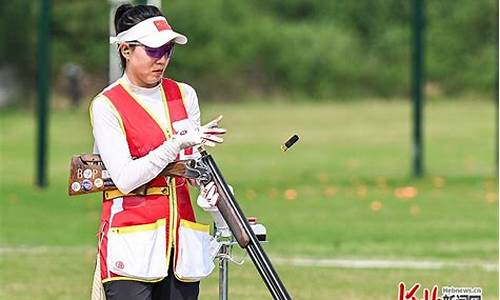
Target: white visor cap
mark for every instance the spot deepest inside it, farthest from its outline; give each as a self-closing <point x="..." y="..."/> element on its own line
<point x="153" y="32"/>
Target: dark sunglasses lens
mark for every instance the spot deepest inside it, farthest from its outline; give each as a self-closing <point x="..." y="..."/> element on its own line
<point x="161" y="51"/>
<point x="155" y="52"/>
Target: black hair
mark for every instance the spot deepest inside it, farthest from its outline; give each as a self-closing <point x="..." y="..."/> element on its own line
<point x="128" y="15"/>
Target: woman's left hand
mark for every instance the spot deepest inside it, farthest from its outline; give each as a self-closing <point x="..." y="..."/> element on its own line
<point x="210" y="132"/>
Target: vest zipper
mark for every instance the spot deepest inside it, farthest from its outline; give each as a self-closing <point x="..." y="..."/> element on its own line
<point x="173" y="219"/>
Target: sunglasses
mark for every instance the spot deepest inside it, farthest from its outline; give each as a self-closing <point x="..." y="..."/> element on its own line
<point x="167" y="49"/>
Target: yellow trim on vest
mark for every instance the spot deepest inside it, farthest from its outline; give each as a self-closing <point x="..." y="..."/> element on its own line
<point x="170" y="130"/>
<point x="101" y="94"/>
<point x="130" y="278"/>
<point x="173" y="194"/>
<point x="171" y="243"/>
<point x="156" y="190"/>
<point x="113" y="109"/>
<point x="182" y="96"/>
<point x="138" y="228"/>
<point x="148" y="111"/>
<point x="115" y="112"/>
<point x="195" y="226"/>
<point x="174" y="229"/>
<point x="173" y="189"/>
<point x="90" y="111"/>
<point x="171" y="186"/>
<point x="174" y="200"/>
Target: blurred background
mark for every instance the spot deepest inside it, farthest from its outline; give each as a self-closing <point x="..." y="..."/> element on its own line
<point x="337" y="73"/>
<point x="314" y="49"/>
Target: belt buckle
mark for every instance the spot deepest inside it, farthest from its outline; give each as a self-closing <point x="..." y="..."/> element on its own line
<point x="164" y="190"/>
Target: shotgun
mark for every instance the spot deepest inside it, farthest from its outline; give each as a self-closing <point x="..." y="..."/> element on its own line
<point x="240" y="228"/>
<point x="87" y="168"/>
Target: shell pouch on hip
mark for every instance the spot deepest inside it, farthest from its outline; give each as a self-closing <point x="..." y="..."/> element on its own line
<point x="138" y="251"/>
<point x="197" y="250"/>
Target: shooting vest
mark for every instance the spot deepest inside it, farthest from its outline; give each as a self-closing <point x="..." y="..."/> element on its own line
<point x="137" y="233"/>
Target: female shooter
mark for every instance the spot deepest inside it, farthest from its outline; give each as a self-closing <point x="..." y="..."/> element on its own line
<point x="141" y="123"/>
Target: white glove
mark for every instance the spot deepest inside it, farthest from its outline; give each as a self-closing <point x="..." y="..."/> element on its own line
<point x="188" y="135"/>
<point x="209" y="193"/>
<point x="208" y="205"/>
<point x="211" y="131"/>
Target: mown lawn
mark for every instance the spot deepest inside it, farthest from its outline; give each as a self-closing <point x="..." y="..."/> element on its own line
<point x="344" y="191"/>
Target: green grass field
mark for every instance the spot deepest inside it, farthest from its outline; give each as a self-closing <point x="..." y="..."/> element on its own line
<point x="344" y="191"/>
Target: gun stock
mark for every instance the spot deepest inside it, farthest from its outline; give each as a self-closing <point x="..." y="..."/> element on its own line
<point x="88" y="174"/>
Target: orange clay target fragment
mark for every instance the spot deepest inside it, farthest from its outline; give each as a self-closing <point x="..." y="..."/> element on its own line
<point x="289" y="143"/>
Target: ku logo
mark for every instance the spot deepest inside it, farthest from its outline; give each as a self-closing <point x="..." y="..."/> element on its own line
<point x="410" y="294"/>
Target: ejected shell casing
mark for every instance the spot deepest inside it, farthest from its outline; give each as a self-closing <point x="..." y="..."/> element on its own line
<point x="289" y="143"/>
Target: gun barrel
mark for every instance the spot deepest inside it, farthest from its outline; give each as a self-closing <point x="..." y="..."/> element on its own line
<point x="243" y="233"/>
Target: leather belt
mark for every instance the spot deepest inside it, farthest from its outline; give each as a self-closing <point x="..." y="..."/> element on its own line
<point x="156" y="190"/>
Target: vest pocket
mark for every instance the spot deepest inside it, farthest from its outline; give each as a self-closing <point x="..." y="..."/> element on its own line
<point x="196" y="251"/>
<point x="138" y="251"/>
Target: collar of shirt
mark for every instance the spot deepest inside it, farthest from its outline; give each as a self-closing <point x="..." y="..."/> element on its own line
<point x="140" y="90"/>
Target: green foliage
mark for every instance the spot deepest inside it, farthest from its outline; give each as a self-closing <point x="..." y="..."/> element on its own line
<point x="17" y="20"/>
<point x="463" y="36"/>
<point x="80" y="34"/>
<point x="317" y="48"/>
